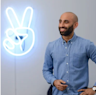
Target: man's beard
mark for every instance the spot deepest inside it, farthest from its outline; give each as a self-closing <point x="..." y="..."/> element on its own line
<point x="67" y="32"/>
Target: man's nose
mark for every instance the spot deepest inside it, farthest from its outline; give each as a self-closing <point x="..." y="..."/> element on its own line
<point x="62" y="24"/>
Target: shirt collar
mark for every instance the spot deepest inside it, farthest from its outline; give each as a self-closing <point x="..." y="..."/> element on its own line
<point x="70" y="40"/>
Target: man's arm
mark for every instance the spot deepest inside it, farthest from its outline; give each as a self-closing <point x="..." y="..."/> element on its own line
<point x="95" y="84"/>
<point x="91" y="51"/>
<point x="48" y="66"/>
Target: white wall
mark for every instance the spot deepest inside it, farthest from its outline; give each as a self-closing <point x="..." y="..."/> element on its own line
<point x="23" y="75"/>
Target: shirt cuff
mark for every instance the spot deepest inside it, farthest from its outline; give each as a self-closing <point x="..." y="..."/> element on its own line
<point x="52" y="81"/>
<point x="95" y="84"/>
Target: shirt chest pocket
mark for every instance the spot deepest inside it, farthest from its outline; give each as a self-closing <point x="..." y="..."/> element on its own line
<point x="79" y="60"/>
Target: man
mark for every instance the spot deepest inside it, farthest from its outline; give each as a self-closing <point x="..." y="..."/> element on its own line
<point x="66" y="60"/>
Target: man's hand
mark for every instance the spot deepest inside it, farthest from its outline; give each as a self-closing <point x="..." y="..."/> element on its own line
<point x="59" y="86"/>
<point x="88" y="91"/>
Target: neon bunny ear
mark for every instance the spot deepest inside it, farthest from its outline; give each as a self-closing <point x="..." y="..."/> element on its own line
<point x="12" y="17"/>
<point x="27" y="17"/>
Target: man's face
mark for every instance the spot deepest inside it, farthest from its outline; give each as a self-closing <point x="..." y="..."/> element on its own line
<point x="66" y="23"/>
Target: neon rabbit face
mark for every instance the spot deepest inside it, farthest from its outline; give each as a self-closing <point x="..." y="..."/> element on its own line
<point x="20" y="38"/>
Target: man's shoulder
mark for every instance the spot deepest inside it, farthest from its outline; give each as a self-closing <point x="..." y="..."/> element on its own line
<point x="54" y="43"/>
<point x="83" y="40"/>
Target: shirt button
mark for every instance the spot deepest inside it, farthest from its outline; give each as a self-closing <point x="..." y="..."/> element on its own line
<point x="68" y="88"/>
<point x="71" y="42"/>
<point x="66" y="54"/>
<point x="67" y="63"/>
<point x="67" y="80"/>
<point x="65" y="47"/>
<point x="67" y="71"/>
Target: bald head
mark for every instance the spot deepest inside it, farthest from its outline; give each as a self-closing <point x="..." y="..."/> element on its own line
<point x="70" y="15"/>
<point x="67" y="23"/>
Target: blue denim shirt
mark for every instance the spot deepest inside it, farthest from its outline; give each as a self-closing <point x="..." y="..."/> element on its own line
<point x="69" y="62"/>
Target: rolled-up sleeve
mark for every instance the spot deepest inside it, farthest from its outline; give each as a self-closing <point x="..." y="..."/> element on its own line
<point x="48" y="66"/>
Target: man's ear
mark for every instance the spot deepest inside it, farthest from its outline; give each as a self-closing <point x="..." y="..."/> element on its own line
<point x="75" y="25"/>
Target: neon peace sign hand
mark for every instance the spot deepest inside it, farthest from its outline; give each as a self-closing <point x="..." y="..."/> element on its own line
<point x="20" y="38"/>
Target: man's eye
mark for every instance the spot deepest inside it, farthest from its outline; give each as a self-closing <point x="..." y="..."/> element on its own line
<point x="60" y="21"/>
<point x="66" y="21"/>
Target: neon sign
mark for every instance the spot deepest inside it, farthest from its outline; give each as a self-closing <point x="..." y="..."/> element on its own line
<point x="20" y="37"/>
